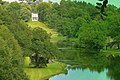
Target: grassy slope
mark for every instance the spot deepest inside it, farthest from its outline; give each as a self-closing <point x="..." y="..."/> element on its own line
<point x="54" y="34"/>
<point x="43" y="73"/>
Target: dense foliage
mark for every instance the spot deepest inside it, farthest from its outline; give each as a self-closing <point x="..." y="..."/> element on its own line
<point x="92" y="36"/>
<point x="82" y="23"/>
<point x="11" y="55"/>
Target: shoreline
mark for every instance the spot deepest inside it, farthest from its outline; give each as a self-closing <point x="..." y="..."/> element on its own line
<point x="45" y="73"/>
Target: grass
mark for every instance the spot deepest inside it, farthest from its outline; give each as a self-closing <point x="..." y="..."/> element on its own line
<point x="54" y="34"/>
<point x="43" y="73"/>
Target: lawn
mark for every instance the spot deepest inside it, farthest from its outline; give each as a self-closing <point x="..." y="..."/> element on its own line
<point x="43" y="73"/>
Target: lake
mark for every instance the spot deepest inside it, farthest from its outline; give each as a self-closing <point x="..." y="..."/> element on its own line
<point x="79" y="74"/>
<point x="85" y="66"/>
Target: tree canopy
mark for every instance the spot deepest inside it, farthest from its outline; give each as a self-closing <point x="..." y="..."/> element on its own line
<point x="70" y="18"/>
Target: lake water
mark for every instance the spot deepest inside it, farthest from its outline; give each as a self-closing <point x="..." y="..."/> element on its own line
<point x="85" y="66"/>
<point x="79" y="74"/>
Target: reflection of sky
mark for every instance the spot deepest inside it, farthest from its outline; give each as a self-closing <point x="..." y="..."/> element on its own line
<point x="82" y="75"/>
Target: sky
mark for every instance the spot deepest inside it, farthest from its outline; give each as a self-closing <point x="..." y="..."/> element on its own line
<point x="114" y="2"/>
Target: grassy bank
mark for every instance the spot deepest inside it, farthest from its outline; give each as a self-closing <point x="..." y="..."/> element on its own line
<point x="44" y="73"/>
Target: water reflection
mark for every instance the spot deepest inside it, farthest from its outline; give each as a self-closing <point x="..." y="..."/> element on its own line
<point x="114" y="68"/>
<point x="95" y="62"/>
<point x="79" y="74"/>
<point x="84" y="66"/>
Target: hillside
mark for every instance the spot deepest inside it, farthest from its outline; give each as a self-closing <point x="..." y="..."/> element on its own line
<point x="55" y="36"/>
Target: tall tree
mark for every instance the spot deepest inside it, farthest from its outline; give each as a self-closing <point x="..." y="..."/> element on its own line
<point x="44" y="10"/>
<point x="25" y="12"/>
<point x="41" y="46"/>
<point x="114" y="29"/>
<point x="11" y="57"/>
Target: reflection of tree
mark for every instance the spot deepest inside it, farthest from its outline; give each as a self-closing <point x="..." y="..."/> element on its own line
<point x="114" y="68"/>
<point x="83" y="61"/>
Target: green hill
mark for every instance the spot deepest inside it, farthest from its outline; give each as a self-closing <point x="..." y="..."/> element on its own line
<point x="55" y="36"/>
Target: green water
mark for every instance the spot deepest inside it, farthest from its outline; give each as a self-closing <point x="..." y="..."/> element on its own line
<point x="85" y="66"/>
<point x="113" y="2"/>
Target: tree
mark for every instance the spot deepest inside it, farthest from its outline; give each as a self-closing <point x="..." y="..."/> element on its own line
<point x="43" y="10"/>
<point x="38" y="60"/>
<point x="25" y="12"/>
<point x="0" y="1"/>
<point x="11" y="58"/>
<point x="41" y="46"/>
<point x="92" y="36"/>
<point x="14" y="8"/>
<point x="114" y="29"/>
<point x="22" y="10"/>
<point x="102" y="7"/>
<point x="11" y="54"/>
<point x="18" y="27"/>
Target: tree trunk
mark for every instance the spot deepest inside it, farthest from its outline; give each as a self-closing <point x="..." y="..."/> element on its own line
<point x="106" y="47"/>
<point x="118" y="46"/>
<point x="36" y="60"/>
